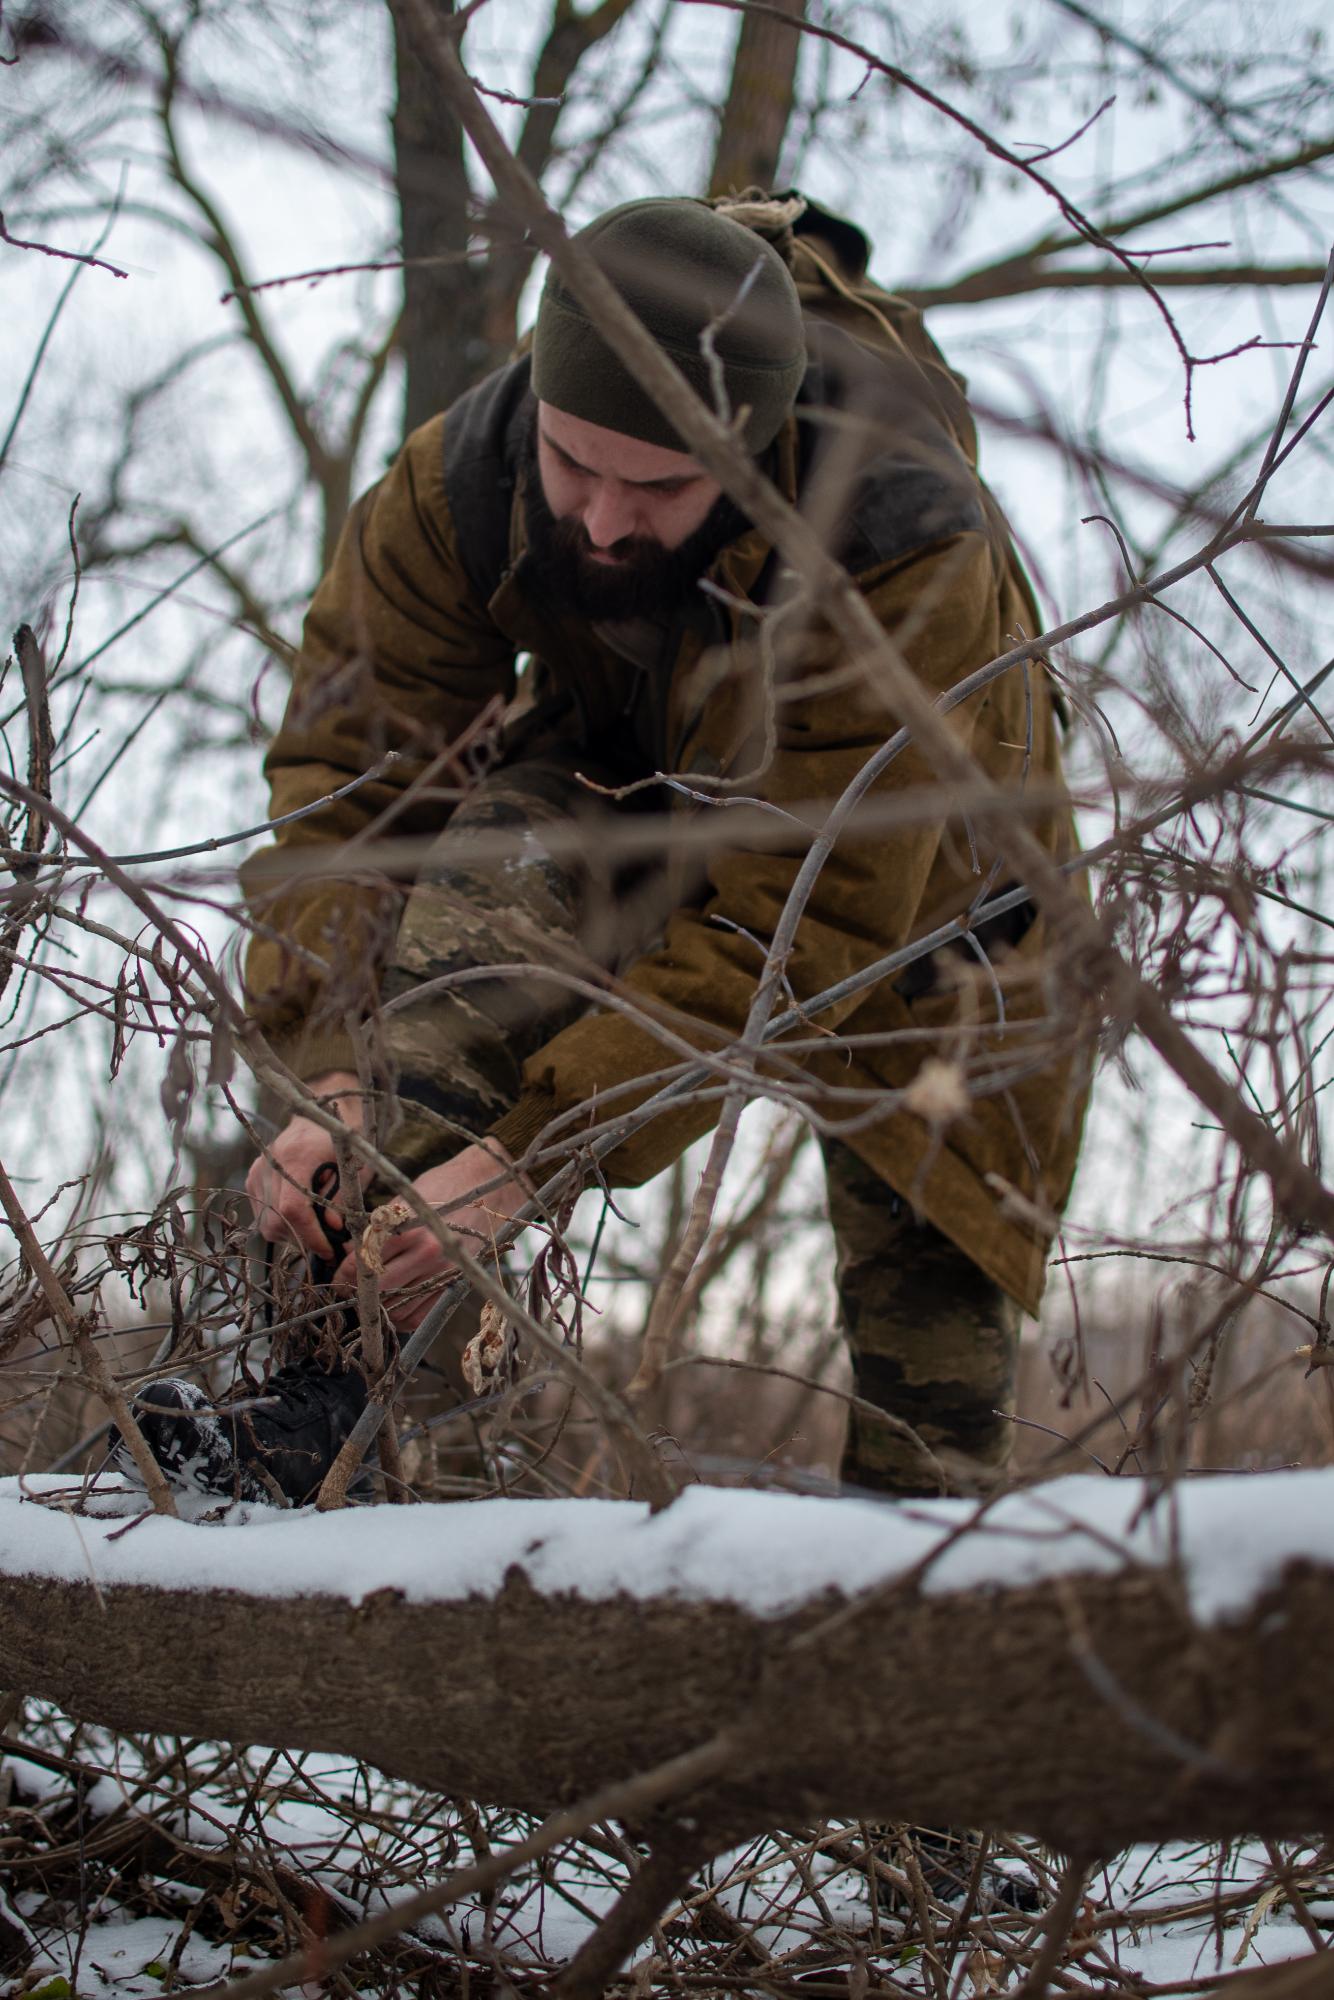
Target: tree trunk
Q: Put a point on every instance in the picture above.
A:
(459, 318)
(1089, 1709)
(759, 101)
(441, 337)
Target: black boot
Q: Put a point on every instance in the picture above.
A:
(285, 1438)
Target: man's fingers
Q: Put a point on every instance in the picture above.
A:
(411, 1254)
(410, 1261)
(298, 1219)
(410, 1258)
(407, 1304)
(311, 1236)
(282, 1187)
(282, 1213)
(405, 1243)
(408, 1316)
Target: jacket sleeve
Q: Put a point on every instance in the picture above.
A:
(941, 606)
(398, 659)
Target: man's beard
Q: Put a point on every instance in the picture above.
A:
(645, 581)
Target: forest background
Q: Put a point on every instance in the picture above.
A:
(184, 441)
(245, 248)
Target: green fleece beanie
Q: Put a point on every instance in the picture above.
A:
(681, 267)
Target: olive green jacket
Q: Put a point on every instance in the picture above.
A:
(403, 651)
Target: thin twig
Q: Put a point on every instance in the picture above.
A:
(50, 250)
(75, 1329)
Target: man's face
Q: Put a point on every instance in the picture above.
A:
(619, 528)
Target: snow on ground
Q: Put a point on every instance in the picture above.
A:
(767, 1551)
(124, 1955)
(1170, 1928)
(1169, 1915)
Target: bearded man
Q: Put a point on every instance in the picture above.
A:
(551, 616)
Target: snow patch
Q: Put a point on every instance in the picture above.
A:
(767, 1552)
(129, 1955)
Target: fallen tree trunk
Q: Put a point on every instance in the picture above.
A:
(553, 1653)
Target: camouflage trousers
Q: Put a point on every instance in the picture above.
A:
(934, 1344)
(508, 919)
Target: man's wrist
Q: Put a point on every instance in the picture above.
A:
(525, 1185)
(508, 1186)
(515, 1132)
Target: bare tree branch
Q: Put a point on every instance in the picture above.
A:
(70, 256)
(1009, 280)
(759, 102)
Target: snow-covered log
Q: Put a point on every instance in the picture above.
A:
(1085, 1661)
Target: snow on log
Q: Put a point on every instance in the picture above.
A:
(1090, 1661)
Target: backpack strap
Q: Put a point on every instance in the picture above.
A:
(850, 245)
(913, 485)
(484, 433)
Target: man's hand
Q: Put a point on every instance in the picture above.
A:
(414, 1256)
(280, 1182)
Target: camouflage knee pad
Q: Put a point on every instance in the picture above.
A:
(934, 1343)
(457, 1048)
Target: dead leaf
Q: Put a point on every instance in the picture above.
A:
(388, 1217)
(178, 1087)
(221, 1054)
(490, 1360)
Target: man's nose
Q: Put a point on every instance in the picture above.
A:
(609, 516)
